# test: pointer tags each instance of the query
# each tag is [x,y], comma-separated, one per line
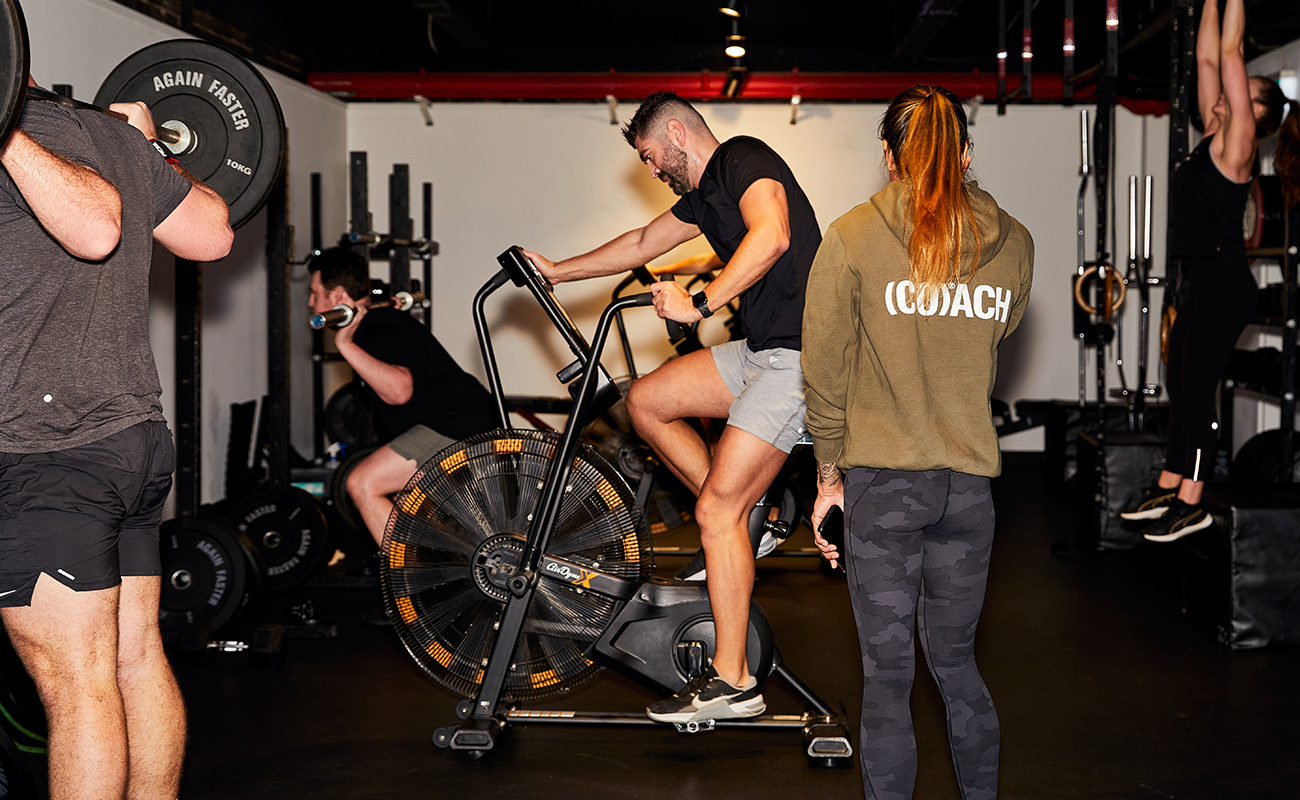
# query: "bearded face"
[675,171]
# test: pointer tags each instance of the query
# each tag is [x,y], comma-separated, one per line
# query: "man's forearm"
[617,255]
[392,384]
[75,204]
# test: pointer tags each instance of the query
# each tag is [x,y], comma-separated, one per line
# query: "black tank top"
[1207,209]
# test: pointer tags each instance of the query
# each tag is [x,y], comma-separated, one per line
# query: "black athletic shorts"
[84,516]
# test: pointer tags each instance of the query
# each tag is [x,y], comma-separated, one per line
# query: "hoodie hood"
[993,224]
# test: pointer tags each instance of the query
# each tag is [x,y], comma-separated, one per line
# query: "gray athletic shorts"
[420,444]
[769,389]
[85,516]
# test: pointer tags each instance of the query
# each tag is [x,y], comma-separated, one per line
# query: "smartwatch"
[701,302]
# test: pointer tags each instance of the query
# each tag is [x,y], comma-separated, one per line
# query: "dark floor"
[1104,689]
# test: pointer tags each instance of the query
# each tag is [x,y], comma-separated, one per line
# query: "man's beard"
[676,169]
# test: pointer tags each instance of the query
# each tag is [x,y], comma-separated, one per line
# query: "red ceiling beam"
[697,86]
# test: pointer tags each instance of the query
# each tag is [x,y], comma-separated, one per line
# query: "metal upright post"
[1081,265]
[1067,54]
[359,200]
[317,339]
[1002,57]
[399,227]
[1182,50]
[1027,55]
[276,411]
[359,224]
[188,360]
[1101,147]
[430,248]
[1144,294]
[1291,296]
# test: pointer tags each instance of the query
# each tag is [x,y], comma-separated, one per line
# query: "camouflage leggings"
[918,549]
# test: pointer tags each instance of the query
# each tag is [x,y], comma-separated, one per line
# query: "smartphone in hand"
[832,530]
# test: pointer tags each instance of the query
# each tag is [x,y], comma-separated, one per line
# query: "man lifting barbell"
[85,454]
[420,394]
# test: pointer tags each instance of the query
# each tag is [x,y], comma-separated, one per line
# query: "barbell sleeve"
[339,316]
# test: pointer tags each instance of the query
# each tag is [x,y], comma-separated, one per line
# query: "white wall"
[78,42]
[559,179]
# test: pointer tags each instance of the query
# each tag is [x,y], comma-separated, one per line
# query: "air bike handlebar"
[517,269]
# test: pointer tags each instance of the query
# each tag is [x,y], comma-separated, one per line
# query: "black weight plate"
[205,573]
[1259,461]
[354,538]
[238,128]
[348,417]
[288,531]
[13,66]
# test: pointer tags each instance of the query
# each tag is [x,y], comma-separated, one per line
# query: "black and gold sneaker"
[709,697]
[1151,504]
[1180,520]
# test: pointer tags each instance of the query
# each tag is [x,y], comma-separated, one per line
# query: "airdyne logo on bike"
[983,301]
[579,577]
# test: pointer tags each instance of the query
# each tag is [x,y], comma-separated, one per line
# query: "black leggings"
[918,549]
[1219,301]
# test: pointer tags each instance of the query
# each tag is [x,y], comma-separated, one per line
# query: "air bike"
[518,564]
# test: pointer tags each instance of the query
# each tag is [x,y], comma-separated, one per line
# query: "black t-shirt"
[1207,209]
[445,397]
[772,309]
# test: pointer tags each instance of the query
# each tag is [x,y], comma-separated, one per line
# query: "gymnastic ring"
[1078,293]
[1167,318]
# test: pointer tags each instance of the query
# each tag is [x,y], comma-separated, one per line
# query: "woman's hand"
[830,493]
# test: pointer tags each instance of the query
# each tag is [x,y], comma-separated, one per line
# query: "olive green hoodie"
[901,382]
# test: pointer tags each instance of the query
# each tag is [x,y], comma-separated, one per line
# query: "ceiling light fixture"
[734,48]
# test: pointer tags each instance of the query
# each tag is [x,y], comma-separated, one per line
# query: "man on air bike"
[745,200]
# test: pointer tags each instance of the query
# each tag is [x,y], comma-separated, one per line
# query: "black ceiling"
[311,36]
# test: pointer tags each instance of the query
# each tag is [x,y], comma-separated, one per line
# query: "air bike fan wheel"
[456,536]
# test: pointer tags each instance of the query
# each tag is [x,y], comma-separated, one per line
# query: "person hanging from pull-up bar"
[745,200]
[1218,297]
[86,458]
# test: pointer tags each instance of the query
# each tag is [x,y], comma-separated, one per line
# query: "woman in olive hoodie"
[909,297]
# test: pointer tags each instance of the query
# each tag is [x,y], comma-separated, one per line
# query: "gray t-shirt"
[75,361]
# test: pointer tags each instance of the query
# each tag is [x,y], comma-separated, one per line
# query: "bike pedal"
[779,528]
